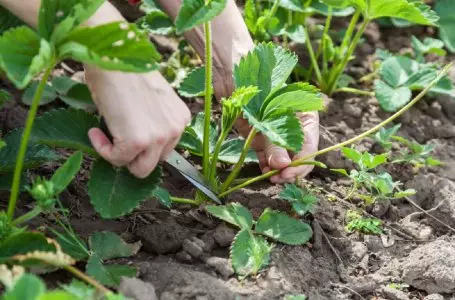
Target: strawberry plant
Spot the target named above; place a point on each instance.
(302, 201)
(329, 61)
(357, 222)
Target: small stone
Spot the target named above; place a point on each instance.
(221, 265)
(209, 242)
(193, 248)
(352, 110)
(434, 297)
(358, 250)
(393, 294)
(184, 257)
(224, 235)
(364, 285)
(380, 208)
(137, 289)
(373, 242)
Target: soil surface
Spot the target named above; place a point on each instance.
(185, 252)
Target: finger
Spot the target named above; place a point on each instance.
(293, 172)
(146, 162)
(277, 179)
(168, 149)
(277, 157)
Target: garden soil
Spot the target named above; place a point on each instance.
(185, 253)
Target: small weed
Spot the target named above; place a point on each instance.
(356, 222)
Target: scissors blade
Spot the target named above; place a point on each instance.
(190, 172)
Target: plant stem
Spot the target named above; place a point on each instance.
(325, 64)
(348, 35)
(216, 153)
(76, 272)
(24, 143)
(354, 91)
(314, 61)
(340, 68)
(208, 99)
(300, 161)
(272, 12)
(183, 201)
(28, 216)
(239, 164)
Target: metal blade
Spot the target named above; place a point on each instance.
(190, 172)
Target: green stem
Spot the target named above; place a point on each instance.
(350, 30)
(340, 68)
(24, 143)
(216, 153)
(208, 99)
(28, 216)
(183, 201)
(350, 141)
(272, 12)
(239, 164)
(314, 61)
(325, 64)
(76, 272)
(354, 91)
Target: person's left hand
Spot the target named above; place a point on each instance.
(272, 157)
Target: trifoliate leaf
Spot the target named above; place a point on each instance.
(65, 174)
(233, 213)
(391, 99)
(193, 84)
(65, 128)
(445, 9)
(49, 94)
(195, 12)
(302, 201)
(63, 16)
(163, 196)
(157, 22)
(115, 192)
(23, 55)
(28, 286)
(283, 228)
(249, 253)
(108, 245)
(232, 106)
(231, 150)
(109, 275)
(267, 67)
(35, 156)
(114, 46)
(283, 128)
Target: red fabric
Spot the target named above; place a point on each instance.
(134, 2)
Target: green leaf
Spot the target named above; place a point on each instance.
(4, 97)
(302, 201)
(249, 253)
(233, 213)
(429, 45)
(283, 128)
(23, 243)
(75, 94)
(321, 8)
(157, 22)
(35, 156)
(391, 99)
(66, 128)
(49, 94)
(23, 55)
(116, 192)
(412, 11)
(108, 275)
(396, 70)
(231, 150)
(352, 154)
(79, 289)
(193, 135)
(372, 161)
(250, 15)
(268, 67)
(406, 193)
(283, 228)
(232, 106)
(384, 136)
(195, 12)
(163, 196)
(29, 287)
(108, 245)
(293, 5)
(58, 18)
(296, 33)
(72, 245)
(114, 46)
(194, 84)
(445, 9)
(66, 173)
(56, 295)
(8, 20)
(341, 171)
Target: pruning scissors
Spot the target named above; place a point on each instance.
(177, 162)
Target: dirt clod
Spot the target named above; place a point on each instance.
(224, 235)
(221, 265)
(434, 297)
(161, 238)
(393, 294)
(193, 247)
(137, 289)
(431, 267)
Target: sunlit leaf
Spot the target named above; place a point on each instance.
(302, 201)
(108, 245)
(231, 150)
(233, 213)
(28, 287)
(163, 196)
(158, 22)
(391, 99)
(108, 275)
(49, 94)
(445, 9)
(63, 176)
(195, 12)
(193, 84)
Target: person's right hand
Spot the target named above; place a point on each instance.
(144, 115)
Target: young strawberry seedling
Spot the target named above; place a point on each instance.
(357, 222)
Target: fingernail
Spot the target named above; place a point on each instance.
(283, 160)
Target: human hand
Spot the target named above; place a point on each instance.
(272, 157)
(145, 117)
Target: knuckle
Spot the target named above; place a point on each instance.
(139, 143)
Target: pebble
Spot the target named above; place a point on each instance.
(224, 235)
(221, 265)
(393, 294)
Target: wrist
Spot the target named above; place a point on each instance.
(107, 13)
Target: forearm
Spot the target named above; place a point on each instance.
(27, 11)
(231, 41)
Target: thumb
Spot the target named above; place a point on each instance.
(277, 157)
